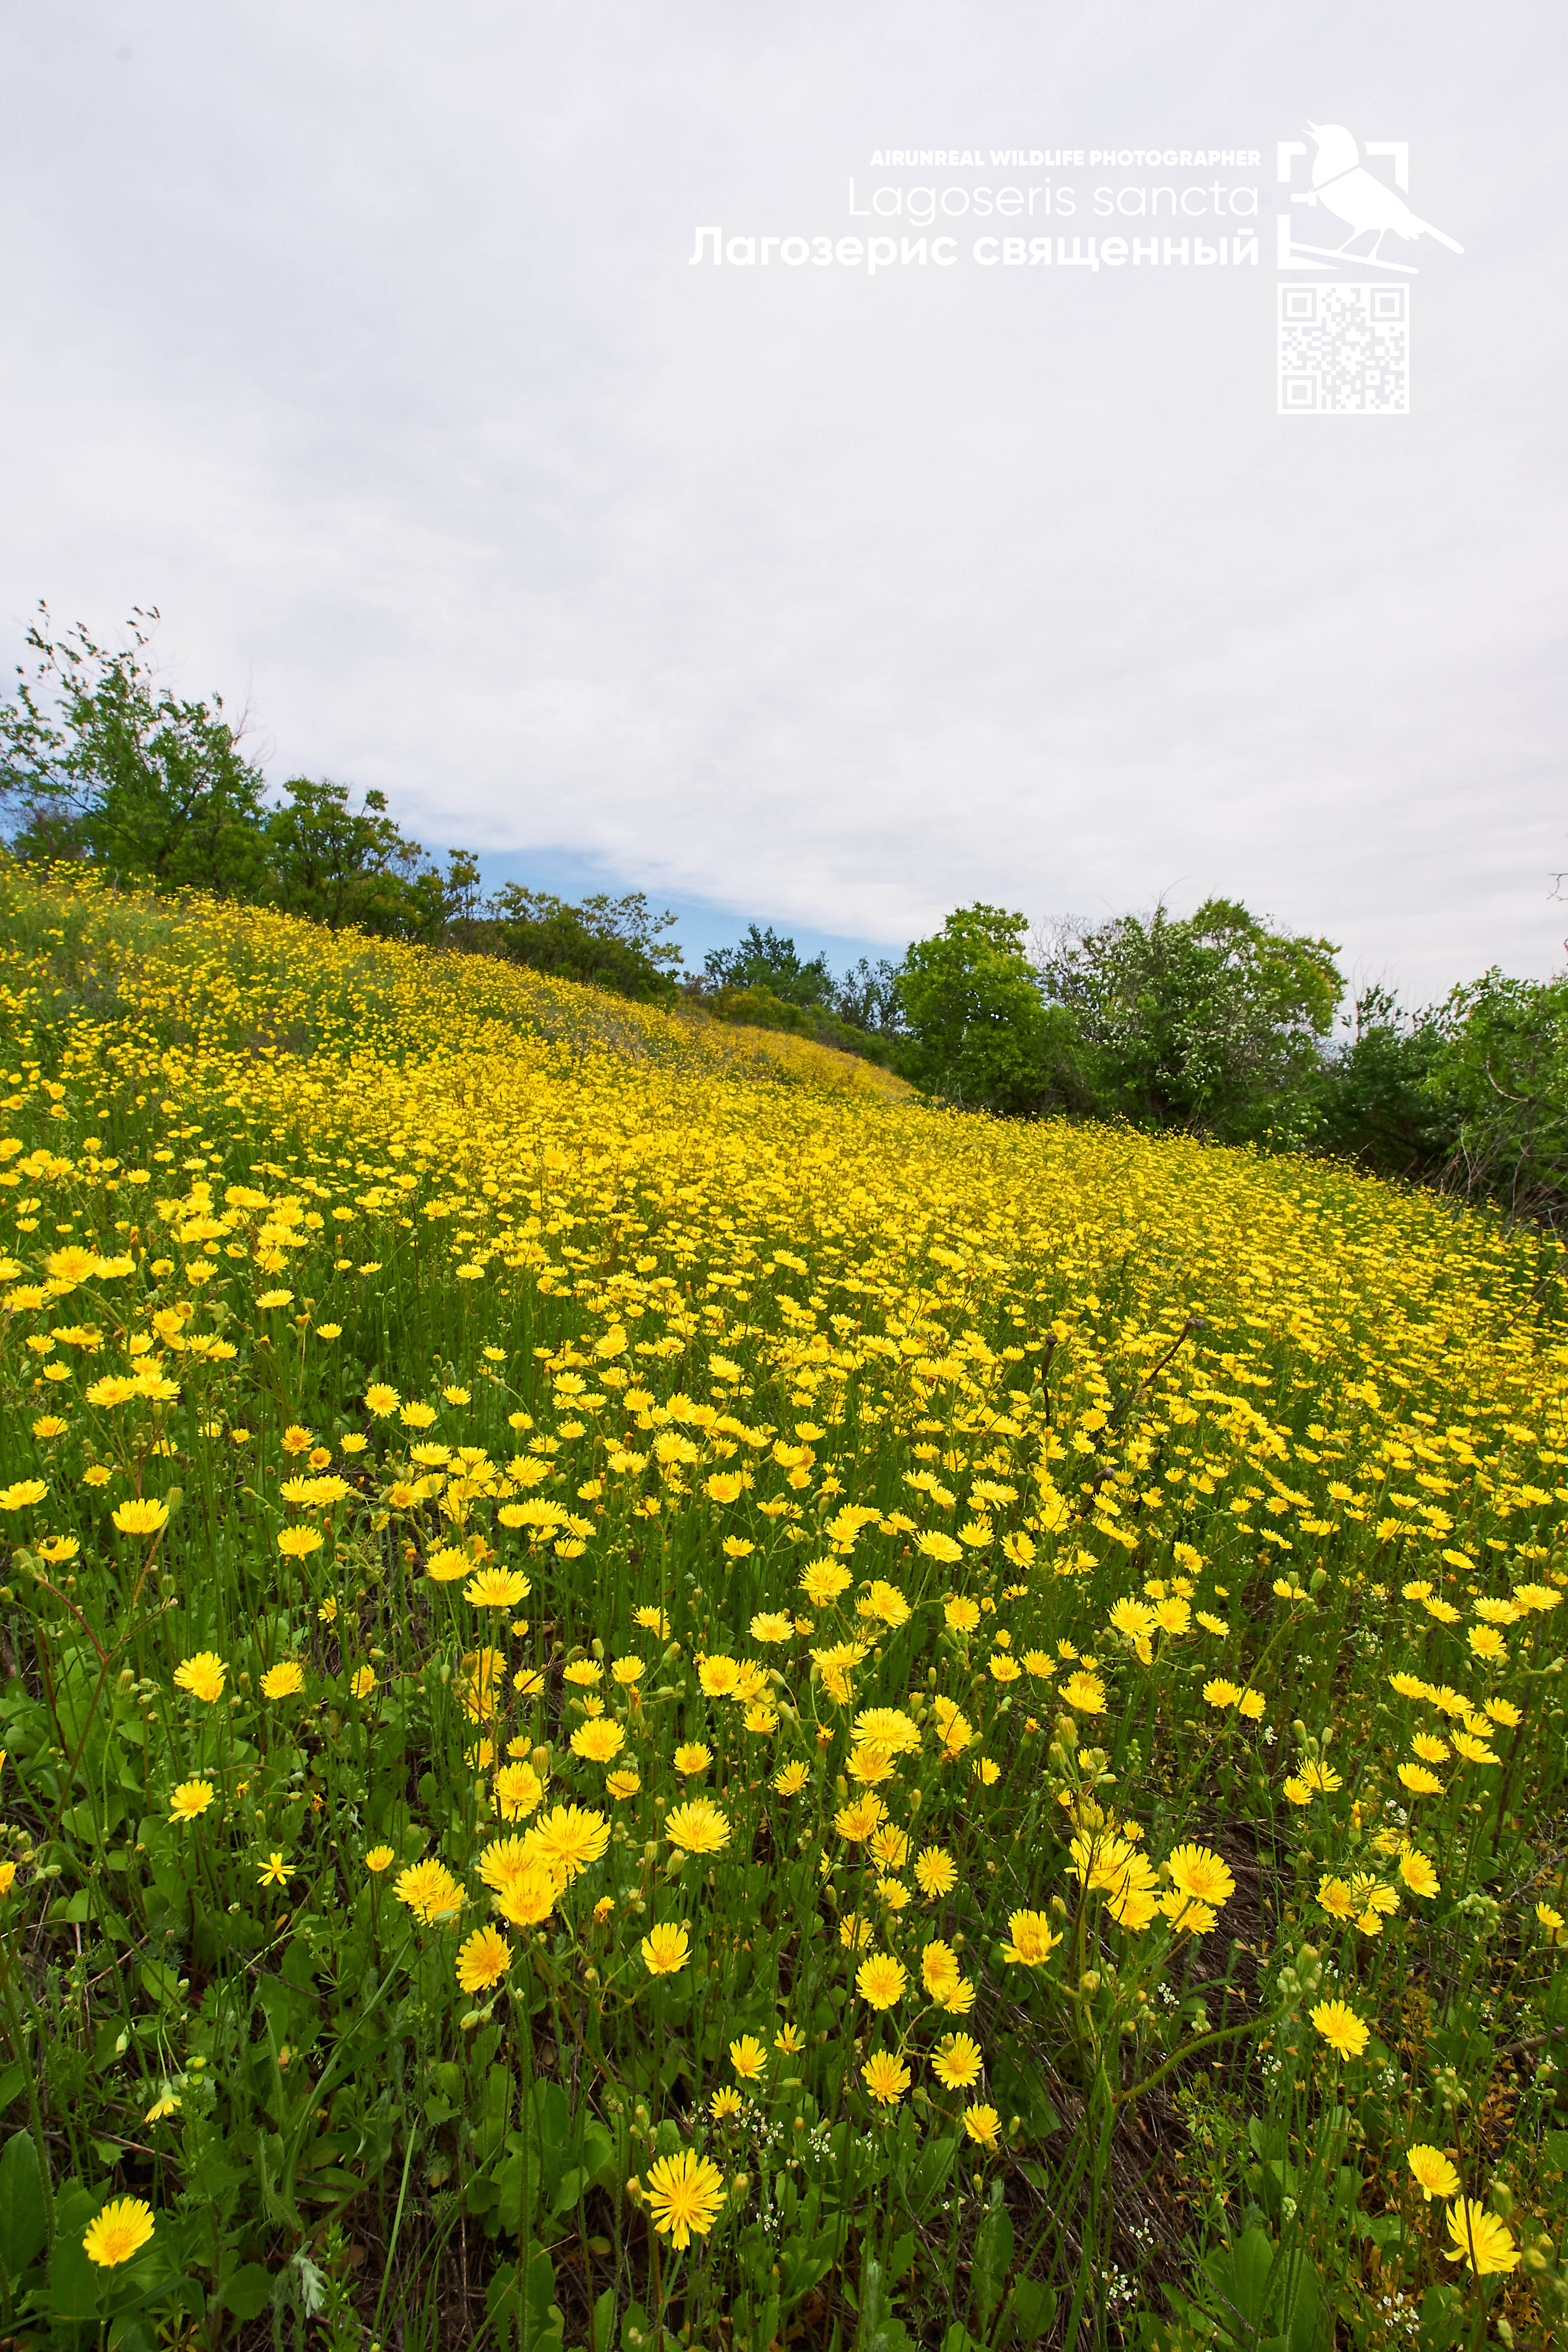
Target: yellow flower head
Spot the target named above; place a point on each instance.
(1478, 2240)
(698, 1828)
(885, 2078)
(497, 1588)
(1340, 2028)
(749, 2058)
(664, 1949)
(202, 1675)
(430, 1891)
(684, 2193)
(1435, 2176)
(956, 2061)
(142, 1516)
(881, 1980)
(190, 1801)
(483, 1959)
(121, 2230)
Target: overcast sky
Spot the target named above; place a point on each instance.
(363, 341)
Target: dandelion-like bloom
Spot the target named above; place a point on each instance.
(190, 1801)
(297, 1543)
(448, 1565)
(497, 1588)
(962, 1614)
(886, 2077)
(822, 1580)
(481, 1684)
(749, 2059)
(664, 1949)
(691, 1757)
(881, 1980)
(1221, 1693)
(483, 1959)
(1416, 1871)
(1135, 1620)
(202, 1675)
(141, 1515)
(379, 1858)
(859, 1818)
(981, 2124)
(361, 1682)
(283, 1681)
(121, 2230)
(274, 1872)
(430, 1890)
(1200, 1875)
(890, 1847)
(1340, 2028)
(598, 1742)
(726, 2103)
(940, 1970)
(1419, 1780)
(789, 2038)
(569, 1838)
(936, 1873)
(956, 2061)
(1030, 1939)
(698, 1828)
(623, 1784)
(772, 1625)
(791, 1780)
(1085, 1692)
(1488, 1645)
(527, 1894)
(684, 2194)
(938, 1547)
(28, 1491)
(1313, 1778)
(380, 1399)
(1480, 2240)
(1435, 2176)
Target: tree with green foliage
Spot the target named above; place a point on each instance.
(1499, 1080)
(765, 960)
(980, 1035)
(615, 943)
(100, 760)
(340, 866)
(1373, 1094)
(1214, 1022)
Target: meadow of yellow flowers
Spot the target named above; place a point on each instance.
(653, 1692)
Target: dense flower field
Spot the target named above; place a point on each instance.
(650, 1690)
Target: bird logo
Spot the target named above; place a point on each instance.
(1342, 186)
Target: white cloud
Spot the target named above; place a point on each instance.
(364, 342)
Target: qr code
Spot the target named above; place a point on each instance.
(1344, 351)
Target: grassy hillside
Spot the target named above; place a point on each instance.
(654, 1692)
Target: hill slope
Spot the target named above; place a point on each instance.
(790, 1697)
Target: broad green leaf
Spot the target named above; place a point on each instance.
(23, 2223)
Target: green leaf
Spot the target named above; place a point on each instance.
(602, 2330)
(23, 2221)
(1031, 2311)
(248, 2291)
(992, 2258)
(73, 2280)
